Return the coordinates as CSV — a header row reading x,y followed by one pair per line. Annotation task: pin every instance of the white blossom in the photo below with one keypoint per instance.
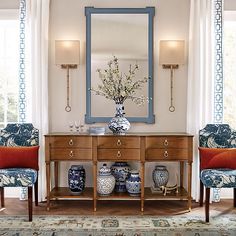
x,y
119,87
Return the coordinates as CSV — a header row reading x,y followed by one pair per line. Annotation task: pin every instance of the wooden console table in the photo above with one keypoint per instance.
x,y
140,147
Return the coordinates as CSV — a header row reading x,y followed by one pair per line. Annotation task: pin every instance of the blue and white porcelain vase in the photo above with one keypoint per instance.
x,y
105,181
160,176
120,170
76,178
133,183
119,124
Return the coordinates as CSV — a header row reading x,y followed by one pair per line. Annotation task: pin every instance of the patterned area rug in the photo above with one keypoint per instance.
x,y
117,226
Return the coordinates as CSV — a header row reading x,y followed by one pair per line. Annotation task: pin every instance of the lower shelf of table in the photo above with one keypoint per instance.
x,y
66,193
181,195
88,194
118,196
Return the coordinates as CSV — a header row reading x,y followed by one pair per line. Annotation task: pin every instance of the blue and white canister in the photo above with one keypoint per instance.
x,y
76,178
160,176
120,170
133,183
105,181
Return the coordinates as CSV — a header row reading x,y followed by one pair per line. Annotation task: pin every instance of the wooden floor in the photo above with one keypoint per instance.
x,y
119,208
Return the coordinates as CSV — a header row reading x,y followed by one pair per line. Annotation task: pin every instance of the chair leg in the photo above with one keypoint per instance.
x,y
30,202
36,192
234,197
2,197
207,203
201,193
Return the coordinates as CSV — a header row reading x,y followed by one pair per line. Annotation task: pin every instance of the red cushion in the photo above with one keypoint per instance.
x,y
19,157
217,158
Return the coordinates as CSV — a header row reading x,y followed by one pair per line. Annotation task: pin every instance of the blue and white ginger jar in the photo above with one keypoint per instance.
x,y
105,181
160,176
76,178
120,170
119,124
133,183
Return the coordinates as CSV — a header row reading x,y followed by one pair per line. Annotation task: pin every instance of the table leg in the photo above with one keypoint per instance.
x,y
48,184
189,185
142,167
95,186
56,170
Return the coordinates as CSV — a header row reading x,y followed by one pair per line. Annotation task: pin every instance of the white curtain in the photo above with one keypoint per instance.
x,y
37,39
200,97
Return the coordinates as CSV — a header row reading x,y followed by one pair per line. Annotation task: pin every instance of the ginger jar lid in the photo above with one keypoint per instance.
x,y
76,167
105,170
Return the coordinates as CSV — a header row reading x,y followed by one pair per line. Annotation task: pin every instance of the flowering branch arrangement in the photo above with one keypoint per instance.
x,y
119,87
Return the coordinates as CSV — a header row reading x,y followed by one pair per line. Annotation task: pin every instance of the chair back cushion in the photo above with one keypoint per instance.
x,y
217,136
19,157
19,135
212,158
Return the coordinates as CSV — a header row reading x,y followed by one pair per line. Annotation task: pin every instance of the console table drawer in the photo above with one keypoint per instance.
x,y
166,142
71,141
71,154
167,154
118,142
118,154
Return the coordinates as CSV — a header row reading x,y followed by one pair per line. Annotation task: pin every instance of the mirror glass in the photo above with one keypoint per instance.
x,y
127,37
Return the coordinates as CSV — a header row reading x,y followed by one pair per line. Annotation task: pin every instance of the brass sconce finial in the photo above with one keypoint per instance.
x,y
67,55
170,57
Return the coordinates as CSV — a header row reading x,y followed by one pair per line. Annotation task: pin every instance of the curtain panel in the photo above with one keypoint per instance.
x,y
205,73
200,97
37,18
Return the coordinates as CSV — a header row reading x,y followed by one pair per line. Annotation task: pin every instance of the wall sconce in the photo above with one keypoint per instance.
x,y
170,57
67,55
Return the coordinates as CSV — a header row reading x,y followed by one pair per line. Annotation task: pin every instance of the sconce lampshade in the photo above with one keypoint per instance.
x,y
171,52
67,52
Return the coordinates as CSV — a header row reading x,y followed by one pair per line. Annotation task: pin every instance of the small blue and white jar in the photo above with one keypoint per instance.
x,y
105,181
120,170
133,183
160,176
76,178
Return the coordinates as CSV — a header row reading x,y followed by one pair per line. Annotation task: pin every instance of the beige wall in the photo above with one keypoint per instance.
x,y
67,21
9,4
230,5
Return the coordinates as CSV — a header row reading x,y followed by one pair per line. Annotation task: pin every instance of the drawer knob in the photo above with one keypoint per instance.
x,y
118,142
71,142
166,142
71,154
165,154
118,154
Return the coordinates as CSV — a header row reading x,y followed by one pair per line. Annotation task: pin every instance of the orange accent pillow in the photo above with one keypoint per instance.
x,y
19,157
217,158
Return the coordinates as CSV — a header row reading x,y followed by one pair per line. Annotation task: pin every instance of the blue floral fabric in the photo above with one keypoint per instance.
x,y
18,135
218,178
17,177
218,136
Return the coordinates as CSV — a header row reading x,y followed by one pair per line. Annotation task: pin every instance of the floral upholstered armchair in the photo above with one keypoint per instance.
x,y
19,160
217,160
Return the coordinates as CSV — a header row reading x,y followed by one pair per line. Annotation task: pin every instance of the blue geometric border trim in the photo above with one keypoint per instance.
x,y
218,73
22,87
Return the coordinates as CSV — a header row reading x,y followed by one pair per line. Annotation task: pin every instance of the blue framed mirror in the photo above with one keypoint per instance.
x,y
127,34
